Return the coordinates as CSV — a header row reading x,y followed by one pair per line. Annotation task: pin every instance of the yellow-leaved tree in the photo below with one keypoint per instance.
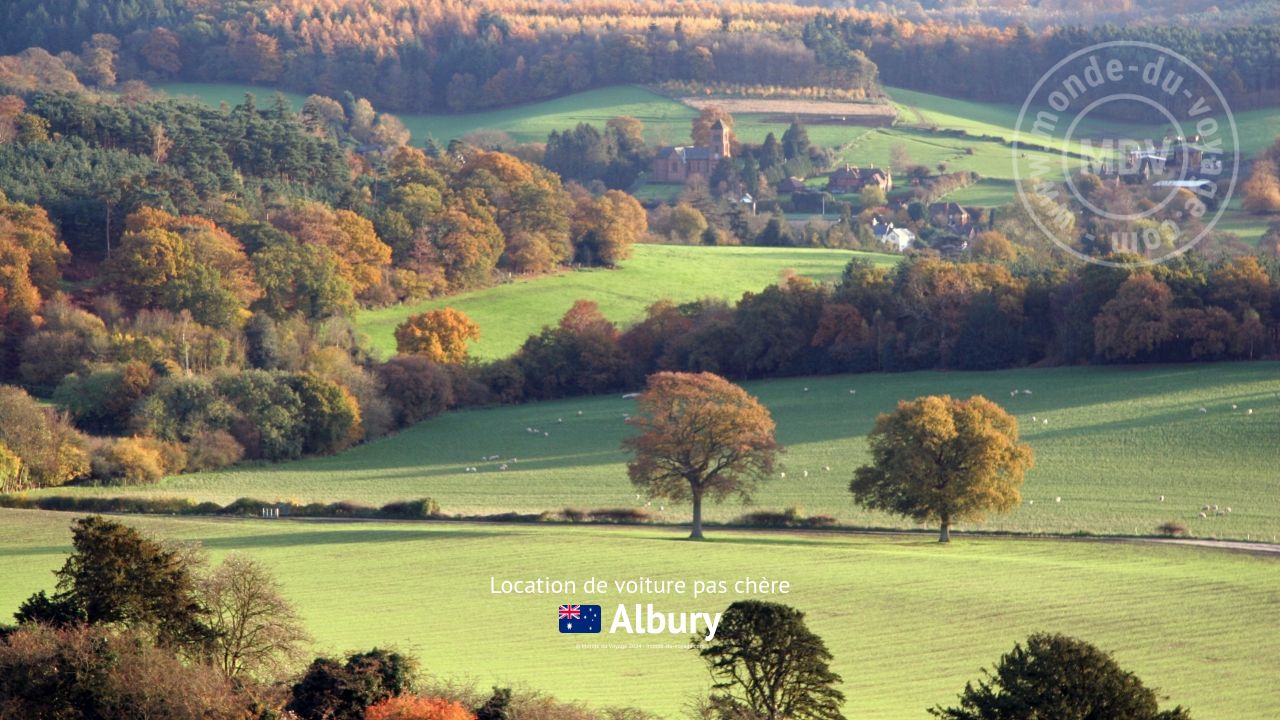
x,y
440,335
942,459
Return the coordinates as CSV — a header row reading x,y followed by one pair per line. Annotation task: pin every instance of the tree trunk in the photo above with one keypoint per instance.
x,y
944,536
697,516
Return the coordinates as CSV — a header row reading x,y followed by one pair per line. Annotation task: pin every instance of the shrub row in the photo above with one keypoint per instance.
x,y
246,507
789,518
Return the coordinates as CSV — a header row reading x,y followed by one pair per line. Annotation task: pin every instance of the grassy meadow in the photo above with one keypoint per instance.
x,y
908,621
1109,442
510,313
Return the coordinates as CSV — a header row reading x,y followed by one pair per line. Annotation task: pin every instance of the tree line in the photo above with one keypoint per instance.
x,y
413,55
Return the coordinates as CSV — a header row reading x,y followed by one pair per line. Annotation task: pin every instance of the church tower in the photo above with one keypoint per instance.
x,y
721,139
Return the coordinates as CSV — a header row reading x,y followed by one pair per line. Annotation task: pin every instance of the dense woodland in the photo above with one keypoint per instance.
x,y
418,55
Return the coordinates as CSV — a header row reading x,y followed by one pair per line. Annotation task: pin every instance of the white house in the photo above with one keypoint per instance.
x,y
898,238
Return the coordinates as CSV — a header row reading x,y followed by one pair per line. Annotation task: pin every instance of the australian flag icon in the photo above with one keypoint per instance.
x,y
579,618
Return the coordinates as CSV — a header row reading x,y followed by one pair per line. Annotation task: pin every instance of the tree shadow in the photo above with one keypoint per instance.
x,y
341,537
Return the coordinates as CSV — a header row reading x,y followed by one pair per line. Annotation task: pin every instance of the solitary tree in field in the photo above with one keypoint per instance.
x,y
939,459
767,664
440,335
700,435
1059,677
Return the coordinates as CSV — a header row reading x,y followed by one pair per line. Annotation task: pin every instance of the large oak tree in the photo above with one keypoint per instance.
x,y
700,436
941,459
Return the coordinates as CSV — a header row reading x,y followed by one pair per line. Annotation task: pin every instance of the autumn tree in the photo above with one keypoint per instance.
x,y
49,450
298,278
419,388
161,50
362,258
1056,676
29,227
766,663
872,196
439,335
19,299
463,239
685,224
700,436
91,671
1137,321
940,459
1261,191
182,263
606,227
992,245
257,633
10,469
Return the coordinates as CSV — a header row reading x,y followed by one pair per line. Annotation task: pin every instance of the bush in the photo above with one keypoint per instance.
x,y
346,508
417,388
621,515
333,689
505,381
1173,528
422,508
51,452
10,468
330,416
574,515
101,400
126,461
212,450
416,707
789,518
90,671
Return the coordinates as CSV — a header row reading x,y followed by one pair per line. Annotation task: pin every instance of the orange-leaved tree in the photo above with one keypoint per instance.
x,y
417,707
941,459
440,335
700,435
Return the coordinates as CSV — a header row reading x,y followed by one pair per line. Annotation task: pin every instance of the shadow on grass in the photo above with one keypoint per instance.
x,y
34,550
342,537
758,541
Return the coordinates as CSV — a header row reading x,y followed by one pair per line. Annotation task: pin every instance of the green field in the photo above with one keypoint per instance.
x,y
907,620
1117,438
666,121
510,313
